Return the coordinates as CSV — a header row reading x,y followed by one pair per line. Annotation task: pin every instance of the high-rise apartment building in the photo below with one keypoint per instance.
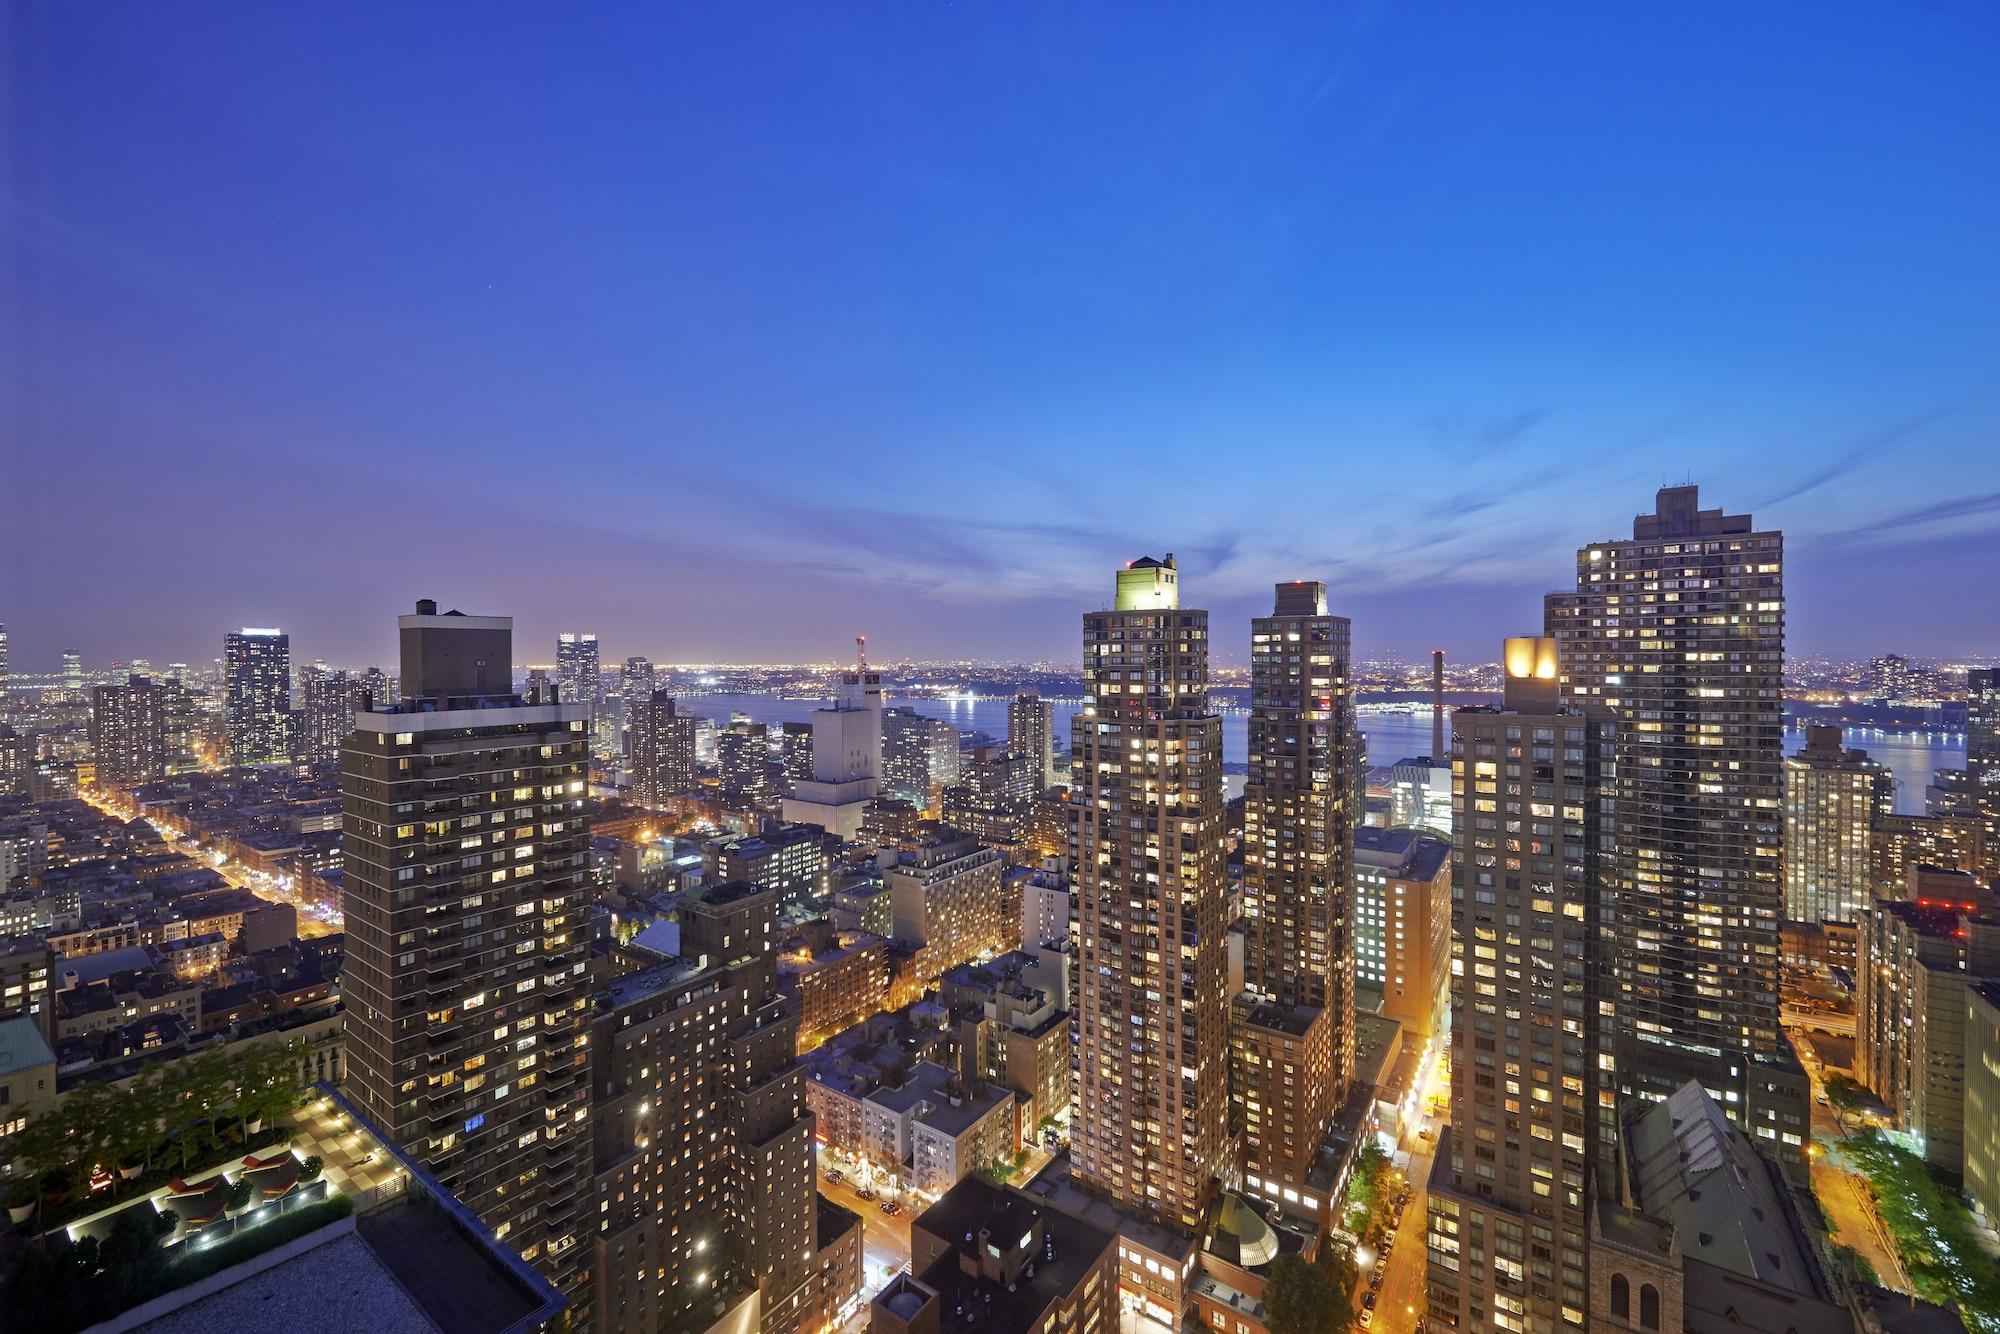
x,y
578,673
636,683
661,750
1151,1126
704,1141
257,695
919,757
128,732
1982,732
466,861
1509,1187
1031,732
1833,797
1678,633
742,755
331,699
1294,1042
795,752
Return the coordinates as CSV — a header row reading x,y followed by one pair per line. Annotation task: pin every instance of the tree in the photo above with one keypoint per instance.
x,y
267,1081
1300,1299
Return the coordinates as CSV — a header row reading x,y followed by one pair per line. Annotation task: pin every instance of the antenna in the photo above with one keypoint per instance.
x,y
861,652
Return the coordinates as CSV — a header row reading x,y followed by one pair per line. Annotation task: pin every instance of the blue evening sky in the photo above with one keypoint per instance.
x,y
728,331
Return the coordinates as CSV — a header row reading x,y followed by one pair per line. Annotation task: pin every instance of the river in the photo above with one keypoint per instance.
x,y
1391,733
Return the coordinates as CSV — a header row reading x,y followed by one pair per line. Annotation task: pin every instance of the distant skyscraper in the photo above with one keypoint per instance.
x,y
1679,633
331,699
919,757
795,749
1894,677
577,670
635,685
1031,732
1295,1023
742,756
1508,1220
72,670
1833,797
662,752
257,694
1982,733
1151,1123
128,732
5,698
467,1006
847,755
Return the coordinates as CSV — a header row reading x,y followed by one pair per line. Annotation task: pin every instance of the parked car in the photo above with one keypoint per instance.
x,y
1368,1302
865,1193
836,1176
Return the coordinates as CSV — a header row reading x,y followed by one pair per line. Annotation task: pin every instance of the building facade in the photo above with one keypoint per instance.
x,y
257,695
1509,1187
1293,1052
465,860
660,750
1031,734
1833,799
1678,633
1151,1132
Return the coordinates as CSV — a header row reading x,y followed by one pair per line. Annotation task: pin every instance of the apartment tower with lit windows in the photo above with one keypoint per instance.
x,y
1679,633
466,863
257,695
1293,1040
1151,1127
1510,1183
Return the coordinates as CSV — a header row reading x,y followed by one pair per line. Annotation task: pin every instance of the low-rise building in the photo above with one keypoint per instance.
x,y
991,1260
839,977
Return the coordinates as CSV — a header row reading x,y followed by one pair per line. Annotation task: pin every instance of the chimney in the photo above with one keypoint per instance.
x,y
1437,706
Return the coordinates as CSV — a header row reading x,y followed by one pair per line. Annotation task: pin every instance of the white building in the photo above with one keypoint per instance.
x,y
847,757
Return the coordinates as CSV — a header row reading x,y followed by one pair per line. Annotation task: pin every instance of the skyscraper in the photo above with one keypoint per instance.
x,y
331,699
128,732
466,858
662,750
257,695
1152,1111
1679,633
742,757
635,686
1031,732
1294,1044
577,671
1832,799
1508,1192
919,757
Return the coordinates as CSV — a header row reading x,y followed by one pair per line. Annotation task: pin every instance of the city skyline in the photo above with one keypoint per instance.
x,y
1421,264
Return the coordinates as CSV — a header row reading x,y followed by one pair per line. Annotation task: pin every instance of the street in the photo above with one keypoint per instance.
x,y
885,1241
1399,1303
235,874
1842,1194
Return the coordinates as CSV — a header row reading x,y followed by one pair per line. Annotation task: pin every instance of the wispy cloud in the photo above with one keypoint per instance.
x,y
1962,507
1864,447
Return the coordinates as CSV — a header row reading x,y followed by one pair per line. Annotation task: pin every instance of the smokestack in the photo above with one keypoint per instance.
x,y
1437,706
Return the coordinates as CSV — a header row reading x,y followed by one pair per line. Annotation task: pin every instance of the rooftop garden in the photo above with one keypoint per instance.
x,y
108,1143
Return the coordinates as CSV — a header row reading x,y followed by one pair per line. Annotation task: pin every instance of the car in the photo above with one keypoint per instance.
x,y
1368,1302
1367,1319
865,1193
1374,1279
836,1176
889,1208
